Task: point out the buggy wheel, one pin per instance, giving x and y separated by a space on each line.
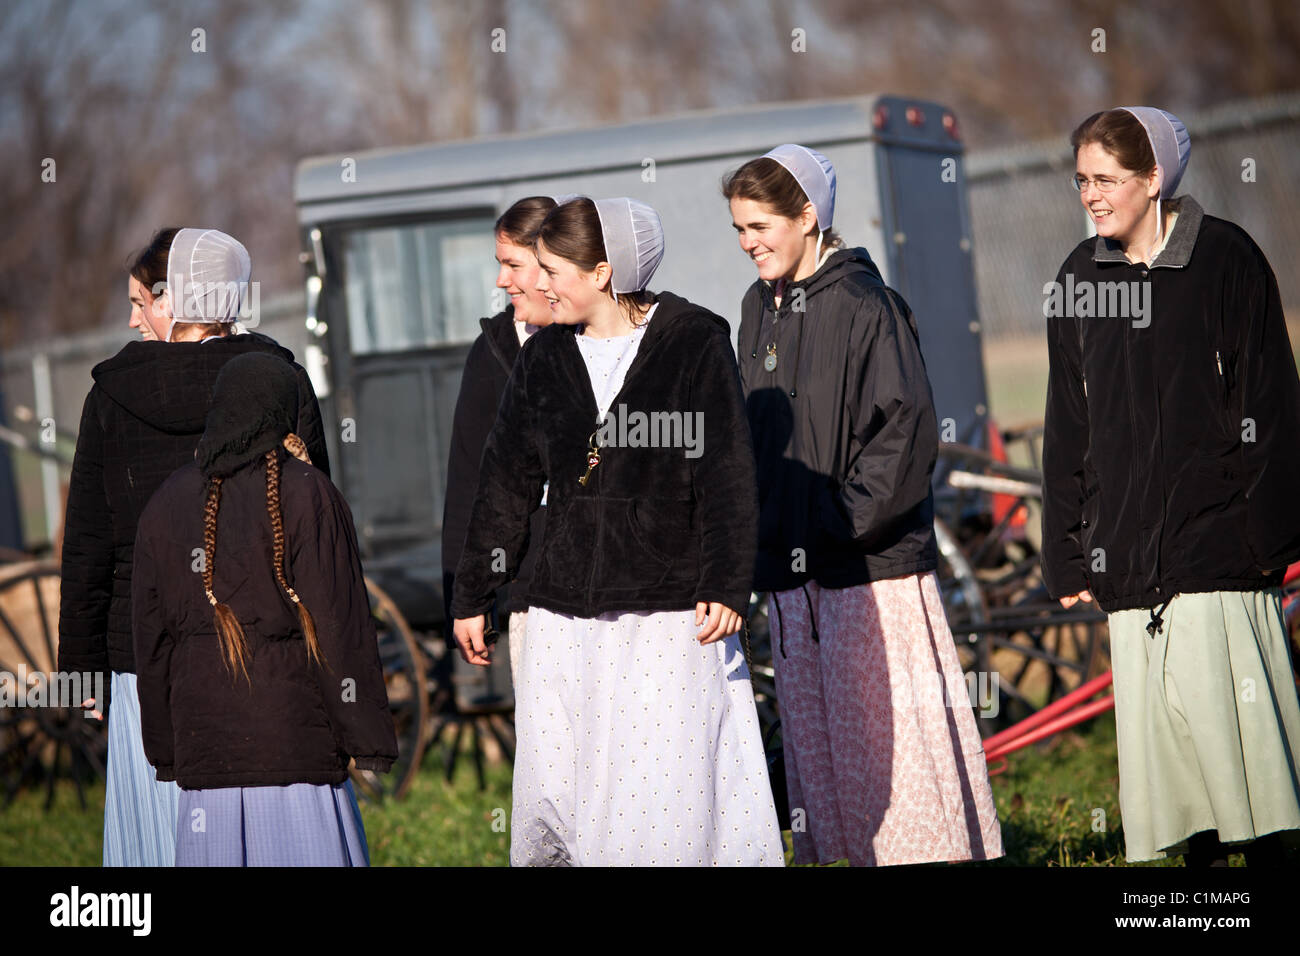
403 667
967 612
1040 650
41 743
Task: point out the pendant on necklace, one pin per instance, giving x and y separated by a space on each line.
769 360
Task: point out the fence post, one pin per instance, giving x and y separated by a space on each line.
43 389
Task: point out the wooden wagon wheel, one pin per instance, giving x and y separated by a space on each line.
1007 628
40 744
404 677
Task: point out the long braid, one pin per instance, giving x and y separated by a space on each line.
277 532
297 447
229 633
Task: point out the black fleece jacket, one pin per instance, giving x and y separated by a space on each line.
844 429
141 421
487 369
292 721
1170 453
653 529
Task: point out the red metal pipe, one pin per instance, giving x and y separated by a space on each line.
1086 712
1081 693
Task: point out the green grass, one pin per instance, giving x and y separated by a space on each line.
1059 801
65 836
1047 801
436 824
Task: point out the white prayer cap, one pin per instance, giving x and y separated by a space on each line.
815 176
1169 141
634 241
207 276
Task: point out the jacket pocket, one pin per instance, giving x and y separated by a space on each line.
661 527
1225 395
1090 513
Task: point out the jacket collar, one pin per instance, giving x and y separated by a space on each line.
1178 249
840 263
502 340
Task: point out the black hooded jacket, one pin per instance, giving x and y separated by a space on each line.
291 721
653 529
844 429
487 369
141 421
1170 453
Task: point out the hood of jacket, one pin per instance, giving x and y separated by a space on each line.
838 265
154 381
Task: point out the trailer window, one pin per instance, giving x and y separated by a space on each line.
418 285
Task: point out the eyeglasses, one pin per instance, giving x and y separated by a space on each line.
1104 184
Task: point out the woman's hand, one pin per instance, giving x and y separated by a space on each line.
722 621
469 637
1071 599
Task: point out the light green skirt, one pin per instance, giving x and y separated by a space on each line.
1207 721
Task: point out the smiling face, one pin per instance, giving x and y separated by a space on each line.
1125 214
518 276
776 245
149 316
573 296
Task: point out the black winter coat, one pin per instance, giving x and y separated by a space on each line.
291 722
653 530
844 429
1149 488
141 421
487 369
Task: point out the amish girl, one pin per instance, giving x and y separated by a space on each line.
141 421
638 738
258 669
486 370
881 748
1170 472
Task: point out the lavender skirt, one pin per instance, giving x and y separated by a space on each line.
301 824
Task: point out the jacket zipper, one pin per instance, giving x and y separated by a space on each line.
1133 429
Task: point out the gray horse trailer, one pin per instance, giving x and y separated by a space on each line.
399 248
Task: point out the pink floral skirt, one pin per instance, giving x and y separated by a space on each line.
884 763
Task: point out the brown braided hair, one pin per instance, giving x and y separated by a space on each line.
277 531
231 635
229 632
297 447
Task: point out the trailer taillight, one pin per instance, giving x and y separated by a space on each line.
950 125
880 117
915 116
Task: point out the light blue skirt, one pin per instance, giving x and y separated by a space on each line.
139 810
301 824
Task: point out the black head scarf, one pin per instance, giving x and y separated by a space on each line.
254 406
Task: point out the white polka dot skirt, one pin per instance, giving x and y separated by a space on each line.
637 746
